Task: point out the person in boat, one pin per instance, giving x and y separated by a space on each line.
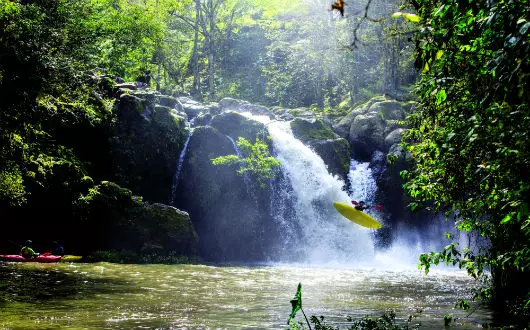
57 249
361 206
27 251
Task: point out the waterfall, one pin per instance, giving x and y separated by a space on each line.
325 236
362 185
236 149
182 156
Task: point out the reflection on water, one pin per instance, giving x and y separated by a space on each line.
102 295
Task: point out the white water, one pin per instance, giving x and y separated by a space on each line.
182 156
328 238
362 184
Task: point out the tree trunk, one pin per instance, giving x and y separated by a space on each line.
211 49
195 55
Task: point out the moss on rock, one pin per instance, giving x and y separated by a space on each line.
307 130
112 218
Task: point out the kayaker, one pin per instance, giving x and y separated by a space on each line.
57 249
361 206
27 251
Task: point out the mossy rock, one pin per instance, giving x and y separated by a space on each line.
144 146
235 125
230 104
306 130
389 110
336 155
169 101
109 212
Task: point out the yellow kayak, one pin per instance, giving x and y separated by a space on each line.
70 258
356 216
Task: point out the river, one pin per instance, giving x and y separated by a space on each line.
118 296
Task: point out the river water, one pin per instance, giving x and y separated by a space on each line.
116 296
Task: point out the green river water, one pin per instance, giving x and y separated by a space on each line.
116 296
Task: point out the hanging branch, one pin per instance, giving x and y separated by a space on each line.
356 39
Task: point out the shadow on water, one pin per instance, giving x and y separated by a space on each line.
39 284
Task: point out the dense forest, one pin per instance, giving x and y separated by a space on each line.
467 63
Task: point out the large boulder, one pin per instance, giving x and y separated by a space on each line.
367 135
144 145
311 130
333 150
394 137
112 218
342 126
230 212
230 104
373 126
235 125
335 153
193 108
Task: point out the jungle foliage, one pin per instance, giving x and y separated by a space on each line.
469 138
272 52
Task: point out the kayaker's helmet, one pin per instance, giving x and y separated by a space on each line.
28 242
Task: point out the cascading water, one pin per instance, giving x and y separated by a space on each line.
326 236
182 156
236 149
362 186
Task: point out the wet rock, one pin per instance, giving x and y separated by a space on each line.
126 85
333 150
231 218
394 137
144 145
235 125
170 101
194 108
114 219
229 104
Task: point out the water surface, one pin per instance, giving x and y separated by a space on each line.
115 296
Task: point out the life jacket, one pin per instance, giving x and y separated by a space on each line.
27 252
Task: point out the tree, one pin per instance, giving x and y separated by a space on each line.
469 136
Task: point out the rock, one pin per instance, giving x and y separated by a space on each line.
366 135
170 101
232 222
193 108
229 104
126 85
203 119
342 128
389 110
150 96
333 150
235 125
170 228
309 130
144 146
394 137
115 219
335 154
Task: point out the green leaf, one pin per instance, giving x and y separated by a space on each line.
507 219
296 303
408 16
440 96
412 18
